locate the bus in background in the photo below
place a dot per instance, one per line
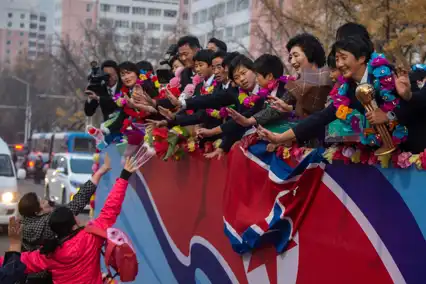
(62, 142)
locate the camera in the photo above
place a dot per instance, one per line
(171, 51)
(98, 79)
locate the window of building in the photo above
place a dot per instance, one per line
(8, 42)
(105, 7)
(203, 16)
(8, 51)
(195, 18)
(10, 15)
(41, 36)
(123, 9)
(33, 35)
(154, 27)
(106, 23)
(22, 25)
(41, 45)
(121, 38)
(89, 7)
(169, 28)
(9, 24)
(170, 13)
(31, 53)
(121, 24)
(220, 10)
(43, 19)
(185, 2)
(138, 11)
(9, 33)
(242, 30)
(21, 43)
(138, 26)
(242, 5)
(21, 33)
(230, 7)
(154, 12)
(42, 28)
(185, 16)
(33, 17)
(33, 26)
(219, 34)
(32, 44)
(154, 41)
(88, 22)
(22, 16)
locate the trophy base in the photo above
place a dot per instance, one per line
(384, 151)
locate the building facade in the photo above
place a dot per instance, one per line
(24, 29)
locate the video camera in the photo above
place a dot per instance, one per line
(98, 79)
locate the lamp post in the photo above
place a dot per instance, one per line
(28, 113)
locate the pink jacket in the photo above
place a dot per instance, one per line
(78, 259)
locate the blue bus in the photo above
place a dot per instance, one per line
(62, 142)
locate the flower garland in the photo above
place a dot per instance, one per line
(263, 93)
(145, 75)
(384, 83)
(209, 90)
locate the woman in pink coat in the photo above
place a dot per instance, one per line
(74, 256)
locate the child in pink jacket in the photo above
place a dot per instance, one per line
(74, 256)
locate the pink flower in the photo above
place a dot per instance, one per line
(263, 92)
(189, 90)
(197, 79)
(390, 106)
(388, 83)
(341, 80)
(341, 100)
(272, 85)
(223, 112)
(179, 71)
(95, 167)
(379, 61)
(175, 82)
(404, 160)
(297, 153)
(423, 159)
(373, 159)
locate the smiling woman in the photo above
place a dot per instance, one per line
(81, 166)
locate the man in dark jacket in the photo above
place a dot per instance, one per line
(104, 99)
(36, 216)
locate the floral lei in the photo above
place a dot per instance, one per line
(263, 93)
(385, 84)
(145, 75)
(209, 90)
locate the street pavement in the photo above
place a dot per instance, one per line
(25, 187)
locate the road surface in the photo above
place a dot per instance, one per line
(25, 187)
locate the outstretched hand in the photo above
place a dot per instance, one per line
(166, 113)
(267, 135)
(14, 231)
(238, 117)
(280, 105)
(106, 167)
(218, 153)
(156, 123)
(173, 99)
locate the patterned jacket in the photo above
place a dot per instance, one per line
(36, 229)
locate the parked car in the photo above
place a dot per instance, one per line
(66, 174)
(8, 185)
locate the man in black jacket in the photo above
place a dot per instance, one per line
(105, 98)
(188, 46)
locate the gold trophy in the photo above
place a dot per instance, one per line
(365, 94)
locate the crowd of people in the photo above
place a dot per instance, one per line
(221, 96)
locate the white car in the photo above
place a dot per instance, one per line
(66, 174)
(9, 196)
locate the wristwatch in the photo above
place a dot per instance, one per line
(391, 115)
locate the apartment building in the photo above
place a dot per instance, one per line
(24, 29)
(228, 20)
